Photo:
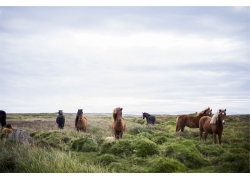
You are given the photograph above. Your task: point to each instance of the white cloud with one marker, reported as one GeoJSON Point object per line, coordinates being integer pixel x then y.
{"type": "Point", "coordinates": [95, 69]}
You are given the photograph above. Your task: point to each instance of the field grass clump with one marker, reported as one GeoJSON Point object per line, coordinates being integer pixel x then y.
{"type": "Point", "coordinates": [167, 165]}
{"type": "Point", "coordinates": [159, 139]}
{"type": "Point", "coordinates": [145, 147]}
{"type": "Point", "coordinates": [186, 152]}
{"type": "Point", "coordinates": [233, 163]}
{"type": "Point", "coordinates": [210, 150]}
{"type": "Point", "coordinates": [106, 159]}
{"type": "Point", "coordinates": [85, 145]}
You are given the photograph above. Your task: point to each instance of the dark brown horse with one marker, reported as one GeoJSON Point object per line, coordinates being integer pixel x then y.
{"type": "Point", "coordinates": [191, 121]}
{"type": "Point", "coordinates": [149, 117]}
{"type": "Point", "coordinates": [80, 121]}
{"type": "Point", "coordinates": [2, 118]}
{"type": "Point", "coordinates": [118, 125]}
{"type": "Point", "coordinates": [213, 125]}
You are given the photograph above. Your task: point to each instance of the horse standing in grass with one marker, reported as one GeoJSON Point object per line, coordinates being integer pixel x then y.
{"type": "Point", "coordinates": [191, 121]}
{"type": "Point", "coordinates": [2, 118]}
{"type": "Point", "coordinates": [150, 118]}
{"type": "Point", "coordinates": [80, 121]}
{"type": "Point", "coordinates": [213, 125]}
{"type": "Point", "coordinates": [118, 125]}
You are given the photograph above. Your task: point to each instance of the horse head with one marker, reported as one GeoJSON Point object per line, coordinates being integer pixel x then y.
{"type": "Point", "coordinates": [79, 113]}
{"type": "Point", "coordinates": [222, 115]}
{"type": "Point", "coordinates": [209, 112]}
{"type": "Point", "coordinates": [117, 114]}
{"type": "Point", "coordinates": [60, 112]}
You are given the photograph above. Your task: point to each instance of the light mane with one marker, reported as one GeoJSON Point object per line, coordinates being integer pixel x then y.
{"type": "Point", "coordinates": [214, 118]}
{"type": "Point", "coordinates": [203, 111]}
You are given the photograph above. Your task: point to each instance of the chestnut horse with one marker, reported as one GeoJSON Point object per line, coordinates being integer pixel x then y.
{"type": "Point", "coordinates": [150, 118]}
{"type": "Point", "coordinates": [191, 121]}
{"type": "Point", "coordinates": [2, 118]}
{"type": "Point", "coordinates": [118, 125]}
{"type": "Point", "coordinates": [213, 125]}
{"type": "Point", "coordinates": [80, 121]}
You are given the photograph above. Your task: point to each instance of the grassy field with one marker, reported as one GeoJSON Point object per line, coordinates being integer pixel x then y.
{"type": "Point", "coordinates": [143, 149]}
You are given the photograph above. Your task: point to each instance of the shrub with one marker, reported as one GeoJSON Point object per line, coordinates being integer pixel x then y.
{"type": "Point", "coordinates": [159, 139]}
{"type": "Point", "coordinates": [167, 165]}
{"type": "Point", "coordinates": [106, 159]}
{"type": "Point", "coordinates": [122, 148]}
{"type": "Point", "coordinates": [210, 150]}
{"type": "Point", "coordinates": [186, 153]}
{"type": "Point", "coordinates": [145, 134]}
{"type": "Point", "coordinates": [85, 145]}
{"type": "Point", "coordinates": [233, 163]}
{"type": "Point", "coordinates": [145, 147]}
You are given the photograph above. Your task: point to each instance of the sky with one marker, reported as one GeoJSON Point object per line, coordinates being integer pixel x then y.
{"type": "Point", "coordinates": [155, 59]}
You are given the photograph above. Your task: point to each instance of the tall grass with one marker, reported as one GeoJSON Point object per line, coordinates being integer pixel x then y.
{"type": "Point", "coordinates": [143, 149]}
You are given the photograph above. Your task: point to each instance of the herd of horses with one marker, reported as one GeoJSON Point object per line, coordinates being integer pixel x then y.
{"type": "Point", "coordinates": [204, 120]}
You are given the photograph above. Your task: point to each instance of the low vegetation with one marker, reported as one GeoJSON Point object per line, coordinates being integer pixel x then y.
{"type": "Point", "coordinates": [143, 148]}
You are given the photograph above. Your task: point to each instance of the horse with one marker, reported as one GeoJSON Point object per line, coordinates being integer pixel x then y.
{"type": "Point", "coordinates": [80, 121]}
{"type": "Point", "coordinates": [191, 121]}
{"type": "Point", "coordinates": [2, 118]}
{"type": "Point", "coordinates": [118, 125]}
{"type": "Point", "coordinates": [150, 118]}
{"type": "Point", "coordinates": [213, 125]}
{"type": "Point", "coordinates": [8, 129]}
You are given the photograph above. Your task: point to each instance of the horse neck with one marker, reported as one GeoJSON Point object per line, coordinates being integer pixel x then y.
{"type": "Point", "coordinates": [147, 115]}
{"type": "Point", "coordinates": [219, 120]}
{"type": "Point", "coordinates": [79, 117]}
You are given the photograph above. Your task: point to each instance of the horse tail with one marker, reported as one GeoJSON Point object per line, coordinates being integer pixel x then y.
{"type": "Point", "coordinates": [177, 127]}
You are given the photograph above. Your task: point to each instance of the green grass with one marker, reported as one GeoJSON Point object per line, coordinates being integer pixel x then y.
{"type": "Point", "coordinates": [143, 149]}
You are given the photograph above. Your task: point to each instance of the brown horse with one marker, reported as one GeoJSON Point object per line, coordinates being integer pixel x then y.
{"type": "Point", "coordinates": [80, 121]}
{"type": "Point", "coordinates": [8, 129]}
{"type": "Point", "coordinates": [213, 125]}
{"type": "Point", "coordinates": [191, 121]}
{"type": "Point", "coordinates": [118, 125]}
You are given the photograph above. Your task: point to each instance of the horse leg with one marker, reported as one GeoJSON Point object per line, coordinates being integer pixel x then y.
{"type": "Point", "coordinates": [219, 136]}
{"type": "Point", "coordinates": [177, 128]}
{"type": "Point", "coordinates": [215, 139]}
{"type": "Point", "coordinates": [182, 128]}
{"type": "Point", "coordinates": [205, 136]}
{"type": "Point", "coordinates": [201, 131]}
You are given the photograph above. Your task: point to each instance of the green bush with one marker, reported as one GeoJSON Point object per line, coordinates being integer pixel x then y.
{"type": "Point", "coordinates": [85, 145]}
{"type": "Point", "coordinates": [186, 153]}
{"type": "Point", "coordinates": [106, 159]}
{"type": "Point", "coordinates": [122, 148]}
{"type": "Point", "coordinates": [159, 139]}
{"type": "Point", "coordinates": [167, 165]}
{"type": "Point", "coordinates": [145, 134]}
{"type": "Point", "coordinates": [145, 147]}
{"type": "Point", "coordinates": [233, 163]}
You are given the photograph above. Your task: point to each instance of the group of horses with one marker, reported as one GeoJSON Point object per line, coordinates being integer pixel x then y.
{"type": "Point", "coordinates": [203, 120]}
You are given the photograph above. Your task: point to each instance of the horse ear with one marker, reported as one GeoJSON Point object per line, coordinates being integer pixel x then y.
{"type": "Point", "coordinates": [225, 109]}
{"type": "Point", "coordinates": [219, 110]}
{"type": "Point", "coordinates": [121, 109]}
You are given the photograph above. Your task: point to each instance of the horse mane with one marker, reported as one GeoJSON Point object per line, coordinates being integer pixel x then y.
{"type": "Point", "coordinates": [202, 112]}
{"type": "Point", "coordinates": [214, 118]}
{"type": "Point", "coordinates": [115, 112]}
{"type": "Point", "coordinates": [146, 113]}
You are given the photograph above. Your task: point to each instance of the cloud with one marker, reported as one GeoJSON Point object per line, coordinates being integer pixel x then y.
{"type": "Point", "coordinates": [154, 59]}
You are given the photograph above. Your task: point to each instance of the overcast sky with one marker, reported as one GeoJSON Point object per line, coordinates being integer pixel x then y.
{"type": "Point", "coordinates": [145, 59]}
